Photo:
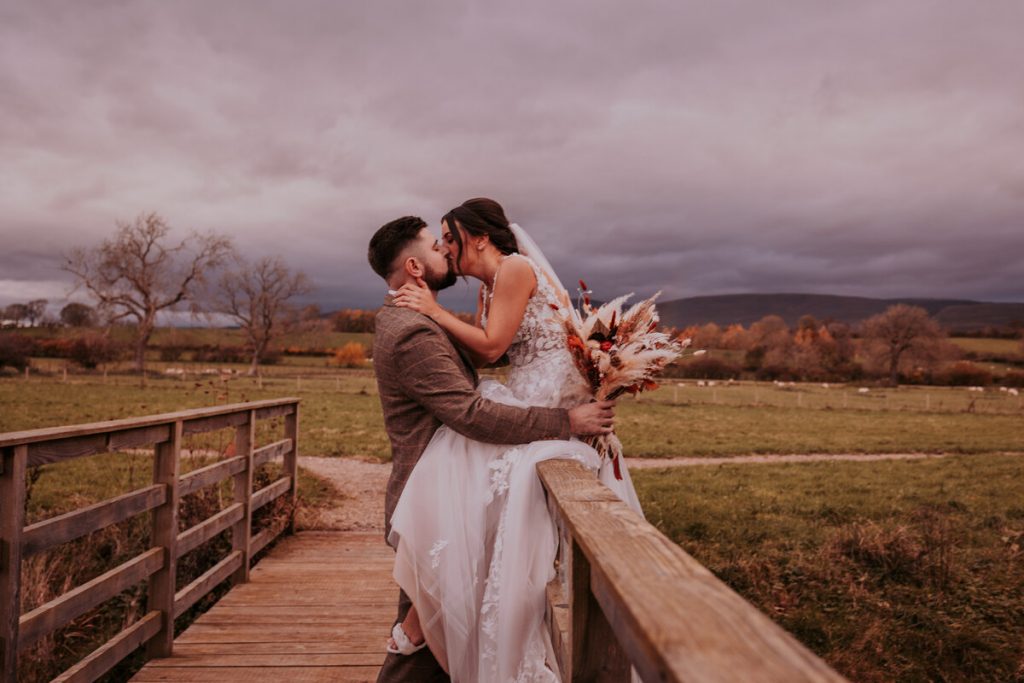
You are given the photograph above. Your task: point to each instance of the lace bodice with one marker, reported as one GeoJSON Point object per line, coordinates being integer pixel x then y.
{"type": "Point", "coordinates": [541, 372]}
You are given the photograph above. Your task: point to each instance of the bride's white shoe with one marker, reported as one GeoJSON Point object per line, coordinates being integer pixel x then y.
{"type": "Point", "coordinates": [404, 646]}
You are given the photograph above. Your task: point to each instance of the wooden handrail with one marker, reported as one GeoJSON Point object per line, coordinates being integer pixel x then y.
{"type": "Point", "coordinates": [158, 564]}
{"type": "Point", "coordinates": [627, 596]}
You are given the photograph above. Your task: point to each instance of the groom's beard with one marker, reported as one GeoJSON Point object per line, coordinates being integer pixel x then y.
{"type": "Point", "coordinates": [438, 281]}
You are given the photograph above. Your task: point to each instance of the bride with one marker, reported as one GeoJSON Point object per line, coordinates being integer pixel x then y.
{"type": "Point", "coordinates": [475, 542]}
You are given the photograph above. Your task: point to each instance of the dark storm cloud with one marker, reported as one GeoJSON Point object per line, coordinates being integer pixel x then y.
{"type": "Point", "coordinates": [865, 148]}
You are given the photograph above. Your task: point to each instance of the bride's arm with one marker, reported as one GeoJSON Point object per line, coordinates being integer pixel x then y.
{"type": "Point", "coordinates": [478, 360]}
{"type": "Point", "coordinates": [505, 313]}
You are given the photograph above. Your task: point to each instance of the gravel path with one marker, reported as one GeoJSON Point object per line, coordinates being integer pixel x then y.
{"type": "Point", "coordinates": [362, 482]}
{"type": "Point", "coordinates": [362, 486]}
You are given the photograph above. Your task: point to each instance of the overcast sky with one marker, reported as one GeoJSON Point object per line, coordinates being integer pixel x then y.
{"type": "Point", "coordinates": [863, 147]}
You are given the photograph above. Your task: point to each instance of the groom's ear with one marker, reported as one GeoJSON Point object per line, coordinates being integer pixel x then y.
{"type": "Point", "coordinates": [413, 266]}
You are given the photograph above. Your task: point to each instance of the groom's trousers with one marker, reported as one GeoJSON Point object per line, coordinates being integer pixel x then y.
{"type": "Point", "coordinates": [419, 666]}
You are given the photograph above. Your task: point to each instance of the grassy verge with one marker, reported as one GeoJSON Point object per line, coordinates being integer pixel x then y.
{"type": "Point", "coordinates": [892, 570]}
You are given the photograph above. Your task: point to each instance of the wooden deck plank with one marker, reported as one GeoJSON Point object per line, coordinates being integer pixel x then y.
{"type": "Point", "coordinates": [317, 608]}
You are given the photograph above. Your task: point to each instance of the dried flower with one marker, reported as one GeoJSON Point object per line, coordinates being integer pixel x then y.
{"type": "Point", "coordinates": [618, 352]}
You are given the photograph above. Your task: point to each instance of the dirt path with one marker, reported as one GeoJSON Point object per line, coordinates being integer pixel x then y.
{"type": "Point", "coordinates": [362, 483]}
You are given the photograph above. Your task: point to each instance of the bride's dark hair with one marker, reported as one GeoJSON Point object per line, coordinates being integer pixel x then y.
{"type": "Point", "coordinates": [478, 217]}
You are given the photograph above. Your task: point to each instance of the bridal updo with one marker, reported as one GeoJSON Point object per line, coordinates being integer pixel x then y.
{"type": "Point", "coordinates": [481, 217]}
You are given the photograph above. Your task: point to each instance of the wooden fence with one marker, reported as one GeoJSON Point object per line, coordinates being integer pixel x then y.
{"type": "Point", "coordinates": [158, 564]}
{"type": "Point", "coordinates": [626, 595]}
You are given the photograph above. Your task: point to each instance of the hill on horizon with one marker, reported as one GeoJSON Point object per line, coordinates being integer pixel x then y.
{"type": "Point", "coordinates": [744, 309]}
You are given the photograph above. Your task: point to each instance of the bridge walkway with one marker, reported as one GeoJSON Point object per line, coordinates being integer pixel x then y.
{"type": "Point", "coordinates": [318, 607]}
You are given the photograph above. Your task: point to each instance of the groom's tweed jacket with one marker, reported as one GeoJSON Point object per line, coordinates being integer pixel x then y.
{"type": "Point", "coordinates": [425, 382]}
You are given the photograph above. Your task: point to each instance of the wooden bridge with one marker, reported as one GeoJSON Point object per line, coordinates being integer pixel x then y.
{"type": "Point", "coordinates": [320, 604]}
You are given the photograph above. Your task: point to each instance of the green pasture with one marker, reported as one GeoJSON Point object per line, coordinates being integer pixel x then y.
{"type": "Point", "coordinates": [984, 346]}
{"type": "Point", "coordinates": [341, 413]}
{"type": "Point", "coordinates": [826, 396]}
{"type": "Point", "coordinates": [891, 570]}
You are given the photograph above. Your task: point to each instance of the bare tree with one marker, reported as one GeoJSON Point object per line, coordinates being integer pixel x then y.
{"type": "Point", "coordinates": [256, 295]}
{"type": "Point", "coordinates": [901, 332]}
{"type": "Point", "coordinates": [137, 274]}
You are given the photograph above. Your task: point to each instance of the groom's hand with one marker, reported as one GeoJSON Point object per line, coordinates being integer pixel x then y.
{"type": "Point", "coordinates": [592, 418]}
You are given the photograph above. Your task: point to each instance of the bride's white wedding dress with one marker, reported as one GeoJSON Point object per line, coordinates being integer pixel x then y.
{"type": "Point", "coordinates": [475, 542]}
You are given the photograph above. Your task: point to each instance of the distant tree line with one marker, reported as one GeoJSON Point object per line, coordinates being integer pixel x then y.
{"type": "Point", "coordinates": [902, 344]}
{"type": "Point", "coordinates": [139, 273]}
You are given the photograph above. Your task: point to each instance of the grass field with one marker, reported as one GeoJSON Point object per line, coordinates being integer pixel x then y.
{"type": "Point", "coordinates": [891, 570]}
{"type": "Point", "coordinates": [341, 414]}
{"type": "Point", "coordinates": [1001, 347]}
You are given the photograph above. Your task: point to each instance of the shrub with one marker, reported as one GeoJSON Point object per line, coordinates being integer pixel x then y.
{"type": "Point", "coordinates": [351, 355]}
{"type": "Point", "coordinates": [706, 368]}
{"type": "Point", "coordinates": [90, 350]}
{"type": "Point", "coordinates": [54, 348]}
{"type": "Point", "coordinates": [222, 354]}
{"type": "Point", "coordinates": [1014, 378]}
{"type": "Point", "coordinates": [964, 373]}
{"type": "Point", "coordinates": [754, 358]}
{"type": "Point", "coordinates": [171, 354]}
{"type": "Point", "coordinates": [15, 350]}
{"type": "Point", "coordinates": [782, 373]}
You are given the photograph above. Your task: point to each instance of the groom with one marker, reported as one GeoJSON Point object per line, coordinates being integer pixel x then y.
{"type": "Point", "coordinates": [425, 381]}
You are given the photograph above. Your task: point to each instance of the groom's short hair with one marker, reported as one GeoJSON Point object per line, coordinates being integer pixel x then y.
{"type": "Point", "coordinates": [389, 241]}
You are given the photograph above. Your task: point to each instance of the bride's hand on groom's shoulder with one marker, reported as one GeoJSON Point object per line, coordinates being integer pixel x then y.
{"type": "Point", "coordinates": [593, 418]}
{"type": "Point", "coordinates": [418, 297]}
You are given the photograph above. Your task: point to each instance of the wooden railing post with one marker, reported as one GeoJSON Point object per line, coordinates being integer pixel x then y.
{"type": "Point", "coordinates": [594, 651]}
{"type": "Point", "coordinates": [291, 463]}
{"type": "Point", "coordinates": [241, 532]}
{"type": "Point", "coordinates": [13, 462]}
{"type": "Point", "coordinates": [162, 585]}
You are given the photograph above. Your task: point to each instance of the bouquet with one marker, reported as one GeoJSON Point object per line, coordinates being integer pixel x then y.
{"type": "Point", "coordinates": [618, 352]}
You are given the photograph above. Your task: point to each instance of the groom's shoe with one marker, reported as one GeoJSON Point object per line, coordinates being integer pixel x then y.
{"type": "Point", "coordinates": [404, 646]}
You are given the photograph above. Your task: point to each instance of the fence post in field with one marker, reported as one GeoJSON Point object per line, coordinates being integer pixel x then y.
{"type": "Point", "coordinates": [12, 520]}
{"type": "Point", "coordinates": [594, 651]}
{"type": "Point", "coordinates": [291, 463]}
{"type": "Point", "coordinates": [241, 532]}
{"type": "Point", "coordinates": [162, 585]}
